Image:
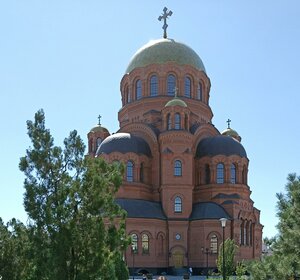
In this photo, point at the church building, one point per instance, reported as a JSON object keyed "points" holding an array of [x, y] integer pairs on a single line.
{"points": [[182, 174]]}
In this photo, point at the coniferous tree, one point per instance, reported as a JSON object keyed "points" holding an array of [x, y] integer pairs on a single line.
{"points": [[284, 263], [70, 204]]}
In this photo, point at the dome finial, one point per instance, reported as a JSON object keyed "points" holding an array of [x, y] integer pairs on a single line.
{"points": [[99, 119], [164, 16], [228, 123]]}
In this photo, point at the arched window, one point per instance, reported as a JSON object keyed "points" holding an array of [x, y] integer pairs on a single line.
{"points": [[138, 89], [242, 233], [134, 243], [142, 172], [187, 87], [98, 142], [160, 245], [199, 92], [145, 244], [207, 174], [244, 175], [129, 171], [220, 173], [171, 82], [128, 99], [246, 233], [153, 86], [169, 122], [251, 233], [177, 168], [214, 244], [177, 204], [177, 121], [232, 174], [90, 145]]}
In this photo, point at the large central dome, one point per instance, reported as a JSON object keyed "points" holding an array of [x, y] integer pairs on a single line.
{"points": [[165, 50]]}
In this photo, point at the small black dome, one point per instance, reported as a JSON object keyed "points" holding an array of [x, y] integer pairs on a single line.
{"points": [[124, 143], [220, 145]]}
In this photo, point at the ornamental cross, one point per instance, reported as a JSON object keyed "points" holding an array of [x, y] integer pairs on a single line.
{"points": [[228, 123], [99, 118], [164, 16]]}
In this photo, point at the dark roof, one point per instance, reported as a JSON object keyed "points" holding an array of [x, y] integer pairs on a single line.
{"points": [[229, 202], [124, 143], [225, 195], [220, 145], [208, 210], [138, 208]]}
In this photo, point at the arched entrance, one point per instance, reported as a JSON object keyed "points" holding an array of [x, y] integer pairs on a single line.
{"points": [[177, 258]]}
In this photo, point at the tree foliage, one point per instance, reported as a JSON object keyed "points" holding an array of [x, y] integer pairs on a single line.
{"points": [[230, 249], [284, 263], [75, 230]]}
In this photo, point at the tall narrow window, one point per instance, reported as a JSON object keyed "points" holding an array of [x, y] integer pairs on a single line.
{"points": [[178, 204], [199, 92], [145, 244], [220, 173], [177, 168], [251, 234], [214, 244], [153, 86], [171, 81], [177, 121], [160, 244], [138, 89], [246, 233], [242, 233], [129, 171], [142, 172], [169, 122], [98, 142], [134, 242], [128, 99], [244, 175], [187, 87], [207, 174], [232, 174]]}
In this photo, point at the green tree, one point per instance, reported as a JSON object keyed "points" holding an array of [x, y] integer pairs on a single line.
{"points": [[284, 263], [14, 250], [230, 249], [70, 202]]}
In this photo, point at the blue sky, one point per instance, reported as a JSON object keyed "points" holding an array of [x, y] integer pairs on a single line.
{"points": [[68, 57]]}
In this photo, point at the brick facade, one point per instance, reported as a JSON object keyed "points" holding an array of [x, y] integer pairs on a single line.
{"points": [[192, 188]]}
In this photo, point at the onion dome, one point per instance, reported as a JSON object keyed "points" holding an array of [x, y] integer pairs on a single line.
{"points": [[124, 143], [176, 102], [165, 50], [99, 128], [220, 145], [232, 133]]}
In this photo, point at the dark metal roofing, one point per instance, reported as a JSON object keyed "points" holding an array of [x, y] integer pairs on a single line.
{"points": [[138, 208], [208, 210], [124, 143], [229, 202], [220, 145], [225, 195]]}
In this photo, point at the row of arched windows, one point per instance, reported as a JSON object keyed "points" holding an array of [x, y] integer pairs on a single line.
{"points": [[246, 233], [135, 243], [171, 86], [221, 172], [130, 170]]}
